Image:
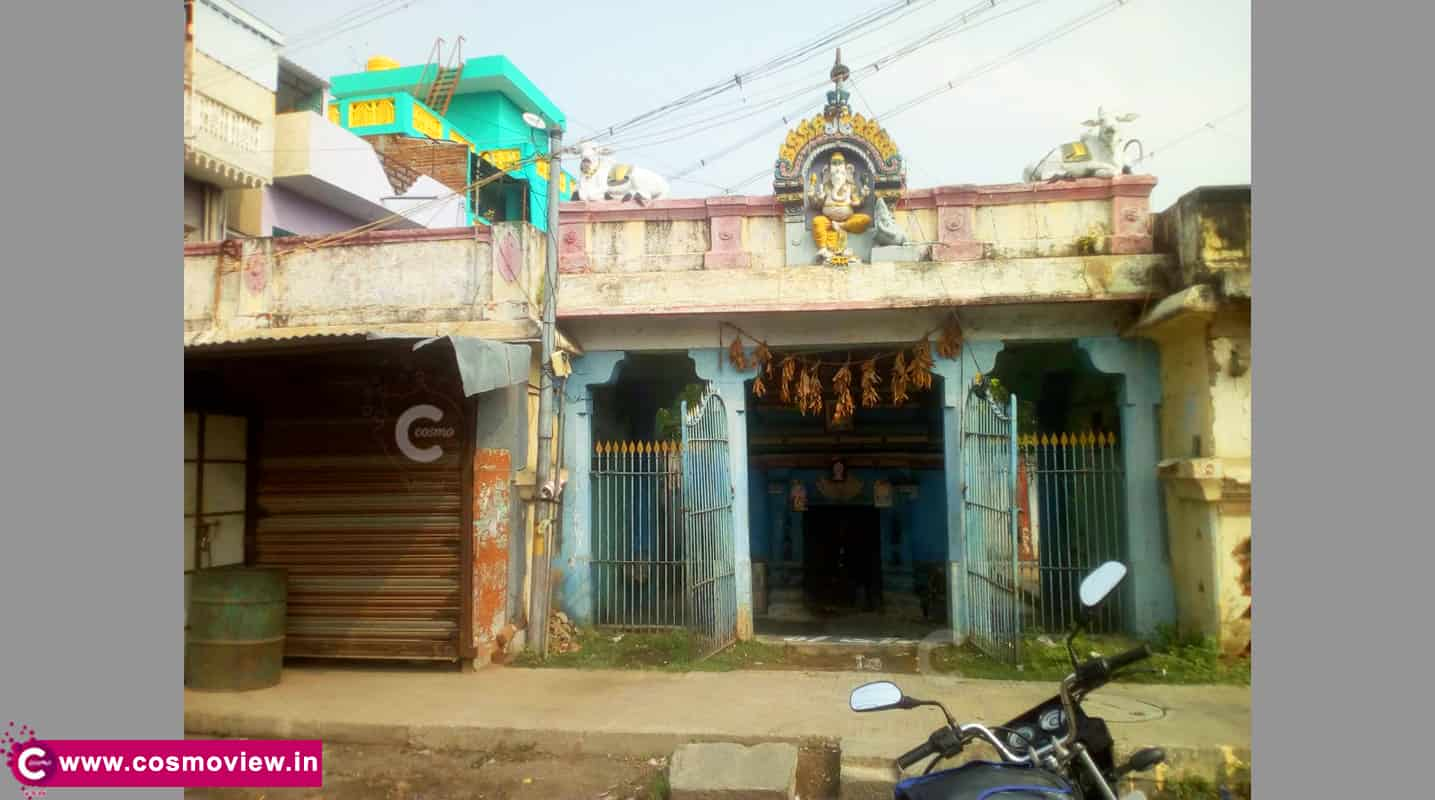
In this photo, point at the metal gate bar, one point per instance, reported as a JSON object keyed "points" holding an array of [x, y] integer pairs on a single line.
{"points": [[638, 580], [1077, 522], [708, 523], [989, 460]]}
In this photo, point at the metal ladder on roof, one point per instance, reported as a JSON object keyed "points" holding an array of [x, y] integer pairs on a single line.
{"points": [[437, 83]]}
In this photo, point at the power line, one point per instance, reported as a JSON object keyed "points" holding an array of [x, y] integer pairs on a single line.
{"points": [[1203, 128], [347, 22], [341, 236], [1041, 41], [776, 64], [953, 25], [1034, 44]]}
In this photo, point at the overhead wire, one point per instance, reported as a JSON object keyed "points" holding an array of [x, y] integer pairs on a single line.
{"points": [[956, 24], [1053, 35], [1041, 41], [789, 58], [770, 96], [342, 236], [345, 23], [965, 20], [1202, 128]]}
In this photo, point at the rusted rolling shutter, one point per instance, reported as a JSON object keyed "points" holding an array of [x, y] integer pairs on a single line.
{"points": [[371, 539]]}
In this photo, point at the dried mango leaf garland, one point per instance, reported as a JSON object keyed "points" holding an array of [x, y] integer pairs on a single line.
{"points": [[920, 370], [799, 380], [842, 388], [789, 370], [764, 362], [871, 398], [949, 344], [736, 355], [899, 380]]}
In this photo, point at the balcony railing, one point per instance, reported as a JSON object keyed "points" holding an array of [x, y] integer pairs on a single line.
{"points": [[226, 125]]}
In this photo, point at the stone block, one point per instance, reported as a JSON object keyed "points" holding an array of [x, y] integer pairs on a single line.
{"points": [[726, 771], [899, 253]]}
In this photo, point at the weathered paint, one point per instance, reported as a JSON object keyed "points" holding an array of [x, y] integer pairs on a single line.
{"points": [[855, 328], [713, 366], [574, 560], [968, 223], [426, 277], [1152, 593], [957, 376], [1203, 332], [492, 515], [862, 287], [244, 156]]}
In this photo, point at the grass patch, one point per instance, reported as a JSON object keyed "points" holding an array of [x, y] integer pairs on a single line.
{"points": [[1177, 660], [670, 651], [659, 788], [1188, 787]]}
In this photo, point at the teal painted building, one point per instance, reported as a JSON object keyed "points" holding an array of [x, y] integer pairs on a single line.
{"points": [[486, 111]]}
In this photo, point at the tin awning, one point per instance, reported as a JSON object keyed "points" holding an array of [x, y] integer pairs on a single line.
{"points": [[483, 364]]}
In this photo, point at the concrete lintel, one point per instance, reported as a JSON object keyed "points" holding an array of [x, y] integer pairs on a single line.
{"points": [[512, 331], [864, 287], [1193, 478], [1196, 303]]}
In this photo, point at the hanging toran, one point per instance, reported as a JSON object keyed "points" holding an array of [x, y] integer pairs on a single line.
{"points": [[799, 382]]}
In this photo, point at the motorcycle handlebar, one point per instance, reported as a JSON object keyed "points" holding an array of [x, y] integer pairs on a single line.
{"points": [[1096, 672], [916, 754], [1129, 657]]}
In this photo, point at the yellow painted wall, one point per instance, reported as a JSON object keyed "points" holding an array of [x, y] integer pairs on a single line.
{"points": [[245, 212], [1230, 350], [1185, 391], [1195, 532], [292, 143], [1235, 528], [1206, 414], [1030, 230]]}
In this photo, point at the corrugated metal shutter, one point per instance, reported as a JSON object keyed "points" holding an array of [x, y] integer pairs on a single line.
{"points": [[371, 540]]}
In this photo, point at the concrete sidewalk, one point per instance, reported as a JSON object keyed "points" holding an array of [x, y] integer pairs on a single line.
{"points": [[646, 713]]}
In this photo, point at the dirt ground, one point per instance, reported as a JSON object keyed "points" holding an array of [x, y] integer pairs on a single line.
{"points": [[370, 772], [375, 772]]}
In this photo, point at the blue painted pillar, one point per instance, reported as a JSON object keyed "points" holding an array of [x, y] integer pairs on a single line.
{"points": [[1151, 589], [712, 366], [957, 375], [575, 592]]}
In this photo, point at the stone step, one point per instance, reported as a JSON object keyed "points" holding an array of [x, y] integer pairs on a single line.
{"points": [[725, 771]]}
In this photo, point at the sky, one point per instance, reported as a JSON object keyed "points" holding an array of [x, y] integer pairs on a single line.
{"points": [[1184, 66]]}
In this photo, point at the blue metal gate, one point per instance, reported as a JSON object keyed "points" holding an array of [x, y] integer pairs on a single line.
{"points": [[989, 522], [708, 524]]}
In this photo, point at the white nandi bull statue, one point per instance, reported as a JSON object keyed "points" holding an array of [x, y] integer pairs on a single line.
{"points": [[600, 178], [1100, 153]]}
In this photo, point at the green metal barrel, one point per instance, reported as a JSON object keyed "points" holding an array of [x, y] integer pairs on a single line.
{"points": [[235, 640]]}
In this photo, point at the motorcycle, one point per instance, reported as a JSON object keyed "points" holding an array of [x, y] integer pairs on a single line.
{"points": [[1052, 750]]}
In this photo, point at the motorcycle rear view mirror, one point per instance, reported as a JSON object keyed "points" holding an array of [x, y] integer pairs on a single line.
{"points": [[878, 696], [1101, 582]]}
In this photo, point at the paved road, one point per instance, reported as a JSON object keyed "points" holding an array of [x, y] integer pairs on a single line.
{"points": [[600, 711]]}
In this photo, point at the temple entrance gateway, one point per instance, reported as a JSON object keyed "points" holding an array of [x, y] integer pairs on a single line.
{"points": [[847, 511]]}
